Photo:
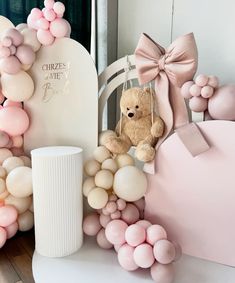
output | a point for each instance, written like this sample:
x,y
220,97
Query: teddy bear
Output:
x,y
139,125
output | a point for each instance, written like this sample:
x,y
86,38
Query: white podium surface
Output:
x,y
94,265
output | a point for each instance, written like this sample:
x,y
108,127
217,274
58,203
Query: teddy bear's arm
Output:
x,y
157,128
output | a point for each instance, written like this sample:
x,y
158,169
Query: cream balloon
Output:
x,y
5,24
3,173
21,27
19,182
130,183
31,208
104,179
110,164
21,204
92,167
25,221
26,160
101,153
4,194
2,185
30,38
97,198
88,185
17,141
4,154
11,163
26,67
18,87
124,160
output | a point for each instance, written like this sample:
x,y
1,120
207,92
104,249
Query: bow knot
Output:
x,y
161,63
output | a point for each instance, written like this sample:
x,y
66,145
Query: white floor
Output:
x,y
94,265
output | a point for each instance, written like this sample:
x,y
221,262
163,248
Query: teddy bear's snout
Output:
x,y
130,114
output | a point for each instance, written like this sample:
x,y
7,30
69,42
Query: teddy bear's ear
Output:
x,y
5,24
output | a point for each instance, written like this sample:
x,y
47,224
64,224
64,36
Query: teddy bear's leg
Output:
x,y
145,150
118,145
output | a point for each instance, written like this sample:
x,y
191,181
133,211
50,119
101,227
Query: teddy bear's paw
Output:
x,y
116,145
145,152
157,128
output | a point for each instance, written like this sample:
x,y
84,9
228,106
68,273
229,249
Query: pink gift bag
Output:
x,y
191,182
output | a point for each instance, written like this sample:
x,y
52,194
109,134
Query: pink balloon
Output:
x,y
6,41
155,233
140,204
121,204
59,8
12,49
36,13
49,15
162,273
115,232
14,121
102,240
143,256
198,104
104,220
207,91
201,80
9,103
4,52
17,151
16,37
3,237
10,65
59,27
49,4
32,23
4,139
43,24
117,247
111,207
135,235
116,215
45,37
91,224
113,198
11,230
8,215
213,81
195,90
144,223
9,144
185,89
130,214
25,54
178,251
164,251
126,258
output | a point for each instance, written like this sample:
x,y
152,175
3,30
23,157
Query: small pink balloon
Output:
x,y
4,139
198,104
9,103
10,65
213,81
207,91
6,41
43,24
135,235
102,240
59,27
4,52
115,232
117,247
11,230
140,204
49,4
116,215
112,198
14,121
2,97
195,90
32,23
126,258
130,214
91,224
3,237
36,13
16,37
185,89
17,151
8,215
104,220
45,37
9,144
12,49
162,273
144,223
143,256
49,15
59,8
111,207
105,211
121,204
155,233
25,54
164,251
201,80
178,251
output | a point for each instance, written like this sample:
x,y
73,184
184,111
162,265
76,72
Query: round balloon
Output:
x,y
30,38
25,221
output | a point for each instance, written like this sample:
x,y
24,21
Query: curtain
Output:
x,y
77,13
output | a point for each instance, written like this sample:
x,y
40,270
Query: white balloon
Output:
x,y
18,87
130,183
25,221
30,38
21,27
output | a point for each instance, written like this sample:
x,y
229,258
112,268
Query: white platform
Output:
x,y
94,265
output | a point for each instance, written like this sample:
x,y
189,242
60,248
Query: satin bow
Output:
x,y
170,68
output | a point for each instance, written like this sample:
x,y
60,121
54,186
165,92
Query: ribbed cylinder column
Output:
x,y
57,195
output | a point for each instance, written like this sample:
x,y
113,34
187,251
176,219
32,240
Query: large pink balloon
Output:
x,y
14,121
45,37
8,215
10,65
59,27
25,54
15,35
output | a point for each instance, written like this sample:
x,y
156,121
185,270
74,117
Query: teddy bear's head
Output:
x,y
136,103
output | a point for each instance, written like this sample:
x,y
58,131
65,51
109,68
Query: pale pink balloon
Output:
x,y
14,121
102,241
49,4
178,251
50,15
111,207
162,273
185,89
36,13
25,54
8,215
115,232
59,27
143,256
12,49
201,80
207,91
9,144
3,237
121,204
32,23
45,37
15,35
4,139
144,223
198,104
195,90
113,197
17,151
4,52
104,220
130,214
6,41
155,233
116,215
59,8
91,224
10,103
11,230
43,24
135,235
140,204
117,247
10,65
213,81
104,211
164,251
126,258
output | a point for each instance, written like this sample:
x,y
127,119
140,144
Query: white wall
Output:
x,y
212,21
